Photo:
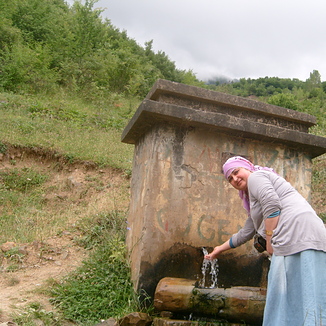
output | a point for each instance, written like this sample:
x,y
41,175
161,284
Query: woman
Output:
x,y
295,237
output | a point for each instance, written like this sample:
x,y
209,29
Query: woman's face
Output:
x,y
239,178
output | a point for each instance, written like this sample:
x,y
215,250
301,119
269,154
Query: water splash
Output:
x,y
209,270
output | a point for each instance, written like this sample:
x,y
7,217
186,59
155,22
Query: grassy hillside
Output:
x,y
76,129
64,170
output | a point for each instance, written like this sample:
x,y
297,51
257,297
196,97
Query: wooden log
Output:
x,y
233,304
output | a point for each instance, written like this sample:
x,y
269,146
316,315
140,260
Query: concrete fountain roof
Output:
x,y
170,102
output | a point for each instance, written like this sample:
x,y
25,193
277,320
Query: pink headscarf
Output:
x,y
241,162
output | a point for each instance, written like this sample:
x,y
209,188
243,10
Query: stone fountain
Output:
x,y
180,201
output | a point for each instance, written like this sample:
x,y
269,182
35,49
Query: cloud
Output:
x,y
234,38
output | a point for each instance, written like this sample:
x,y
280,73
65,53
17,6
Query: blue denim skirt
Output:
x,y
296,291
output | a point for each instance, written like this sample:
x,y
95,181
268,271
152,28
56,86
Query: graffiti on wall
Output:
x,y
201,210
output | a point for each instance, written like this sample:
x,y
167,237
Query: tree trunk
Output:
x,y
233,304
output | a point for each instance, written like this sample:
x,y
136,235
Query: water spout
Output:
x,y
209,271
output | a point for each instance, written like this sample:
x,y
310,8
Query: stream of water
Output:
x,y
209,271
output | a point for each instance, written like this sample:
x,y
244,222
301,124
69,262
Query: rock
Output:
x,y
73,183
173,322
136,319
166,314
8,246
108,322
38,322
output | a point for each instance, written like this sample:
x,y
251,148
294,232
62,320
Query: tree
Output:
x,y
38,20
314,81
284,100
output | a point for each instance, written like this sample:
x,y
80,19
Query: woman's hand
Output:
x,y
217,250
269,247
213,255
270,225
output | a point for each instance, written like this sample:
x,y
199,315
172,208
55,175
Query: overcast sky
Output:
x,y
232,38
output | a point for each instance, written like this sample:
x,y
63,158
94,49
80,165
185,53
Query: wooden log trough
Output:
x,y
235,304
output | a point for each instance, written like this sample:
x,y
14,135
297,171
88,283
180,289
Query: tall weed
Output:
x,y
101,287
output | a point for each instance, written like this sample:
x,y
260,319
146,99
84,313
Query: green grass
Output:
x,y
318,186
79,130
34,313
21,180
21,204
101,287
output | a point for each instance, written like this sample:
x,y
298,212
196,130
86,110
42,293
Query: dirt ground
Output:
x,y
24,286
81,186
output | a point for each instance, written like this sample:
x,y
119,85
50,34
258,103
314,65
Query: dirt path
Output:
x,y
20,288
72,193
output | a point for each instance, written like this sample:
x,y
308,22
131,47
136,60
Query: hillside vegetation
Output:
x,y
69,83
45,45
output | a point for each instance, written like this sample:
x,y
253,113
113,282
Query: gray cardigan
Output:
x,y
299,228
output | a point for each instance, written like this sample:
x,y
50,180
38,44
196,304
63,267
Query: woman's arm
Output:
x,y
218,250
244,234
262,189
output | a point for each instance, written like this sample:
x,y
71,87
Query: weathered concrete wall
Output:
x,y
180,201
